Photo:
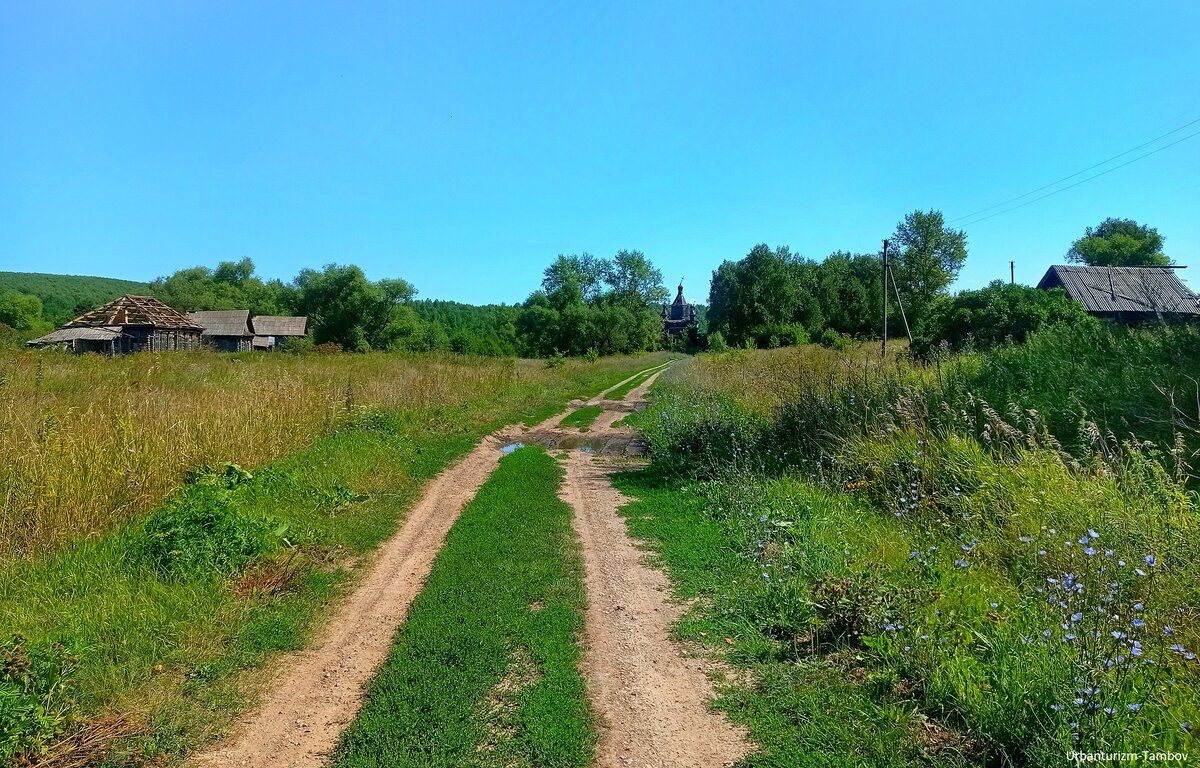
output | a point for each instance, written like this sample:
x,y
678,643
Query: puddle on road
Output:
x,y
511,447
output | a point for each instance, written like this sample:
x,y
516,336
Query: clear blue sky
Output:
x,y
463,145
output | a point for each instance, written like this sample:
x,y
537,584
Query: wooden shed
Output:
x,y
225,330
1128,294
127,324
271,330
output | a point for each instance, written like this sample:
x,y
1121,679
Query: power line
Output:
x,y
1083,181
1077,173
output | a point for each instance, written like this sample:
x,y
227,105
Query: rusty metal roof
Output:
x,y
135,310
223,322
276,325
1131,290
71,334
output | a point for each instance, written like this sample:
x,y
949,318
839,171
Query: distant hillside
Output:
x,y
66,296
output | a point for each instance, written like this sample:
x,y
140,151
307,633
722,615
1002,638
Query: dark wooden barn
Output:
x,y
225,330
1127,294
127,324
272,330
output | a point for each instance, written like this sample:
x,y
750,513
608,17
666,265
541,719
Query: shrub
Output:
x,y
991,316
716,342
199,531
834,340
35,697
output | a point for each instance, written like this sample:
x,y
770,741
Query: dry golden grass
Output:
x,y
87,443
765,379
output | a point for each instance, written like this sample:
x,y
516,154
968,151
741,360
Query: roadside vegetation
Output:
x,y
989,560
485,668
151,624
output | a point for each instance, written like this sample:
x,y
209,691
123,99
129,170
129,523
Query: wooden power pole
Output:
x,y
1012,272
883,350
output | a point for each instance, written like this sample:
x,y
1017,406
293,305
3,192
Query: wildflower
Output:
x,y
1025,539
1167,631
1139,607
1151,561
1133,707
1076,616
1042,552
1092,533
1138,623
962,563
1110,711
1139,571
1057,707
1186,726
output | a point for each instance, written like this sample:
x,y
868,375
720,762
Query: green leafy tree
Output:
x,y
20,311
232,285
1119,243
749,296
346,308
928,255
991,316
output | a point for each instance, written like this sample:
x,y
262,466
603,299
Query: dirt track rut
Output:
x,y
652,701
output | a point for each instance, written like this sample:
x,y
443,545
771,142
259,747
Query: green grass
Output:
x,y
582,418
485,669
174,648
894,575
593,386
802,710
622,391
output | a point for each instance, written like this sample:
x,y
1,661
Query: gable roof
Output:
x,y
1136,290
135,310
223,322
277,325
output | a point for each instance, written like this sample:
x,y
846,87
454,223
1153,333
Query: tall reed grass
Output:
x,y
87,443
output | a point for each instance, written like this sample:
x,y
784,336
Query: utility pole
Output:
x,y
883,351
1012,272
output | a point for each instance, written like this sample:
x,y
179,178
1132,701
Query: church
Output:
x,y
679,317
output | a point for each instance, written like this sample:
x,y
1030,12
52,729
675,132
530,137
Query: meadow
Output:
x,y
147,607
986,561
90,443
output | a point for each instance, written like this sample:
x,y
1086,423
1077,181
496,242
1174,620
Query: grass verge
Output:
x,y
485,669
802,710
582,418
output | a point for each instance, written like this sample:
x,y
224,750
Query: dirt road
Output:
x,y
651,700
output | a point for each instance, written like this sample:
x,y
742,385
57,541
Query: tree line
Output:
x,y
596,306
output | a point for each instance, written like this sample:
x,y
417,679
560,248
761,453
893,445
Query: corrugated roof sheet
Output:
x,y
223,322
276,325
1133,290
71,334
135,310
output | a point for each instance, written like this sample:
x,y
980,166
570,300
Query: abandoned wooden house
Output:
x,y
225,330
270,331
127,324
1126,294
679,317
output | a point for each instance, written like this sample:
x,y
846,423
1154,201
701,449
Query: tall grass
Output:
x,y
87,443
1004,544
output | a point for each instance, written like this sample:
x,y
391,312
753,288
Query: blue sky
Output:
x,y
463,145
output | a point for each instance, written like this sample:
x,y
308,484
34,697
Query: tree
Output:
x,y
575,274
232,285
927,257
750,297
991,316
20,311
348,309
635,282
1119,243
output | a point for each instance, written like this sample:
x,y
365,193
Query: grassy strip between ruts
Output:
x,y
485,669
167,619
620,392
582,418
